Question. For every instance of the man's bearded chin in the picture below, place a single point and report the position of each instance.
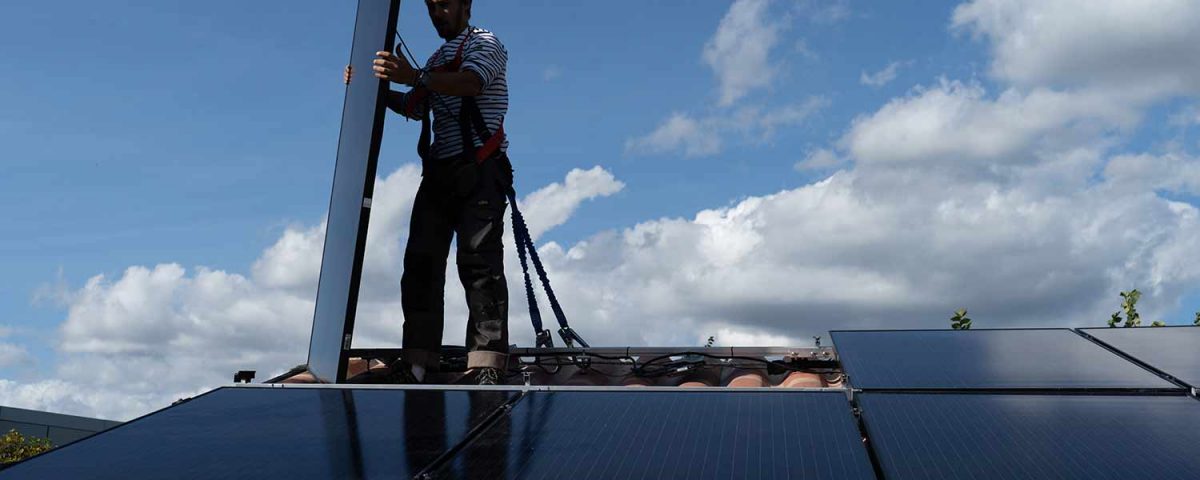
(445, 29)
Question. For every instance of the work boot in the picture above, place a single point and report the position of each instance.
(401, 373)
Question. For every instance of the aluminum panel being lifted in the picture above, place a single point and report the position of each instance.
(350, 202)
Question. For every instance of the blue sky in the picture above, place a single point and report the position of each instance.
(200, 134)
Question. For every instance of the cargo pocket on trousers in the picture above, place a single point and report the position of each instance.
(488, 224)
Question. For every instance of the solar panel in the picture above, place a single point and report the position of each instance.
(1172, 350)
(349, 203)
(294, 433)
(954, 359)
(660, 435)
(978, 436)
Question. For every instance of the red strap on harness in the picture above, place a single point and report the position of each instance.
(490, 147)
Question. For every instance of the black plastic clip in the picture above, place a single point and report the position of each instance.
(544, 339)
(570, 338)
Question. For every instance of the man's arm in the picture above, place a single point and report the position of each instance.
(397, 69)
(399, 102)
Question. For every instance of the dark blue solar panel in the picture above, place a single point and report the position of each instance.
(949, 359)
(983, 436)
(1172, 350)
(293, 433)
(353, 183)
(661, 435)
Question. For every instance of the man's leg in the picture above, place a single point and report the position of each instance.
(422, 286)
(481, 270)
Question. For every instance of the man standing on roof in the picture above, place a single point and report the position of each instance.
(466, 175)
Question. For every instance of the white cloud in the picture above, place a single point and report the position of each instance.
(13, 355)
(1145, 45)
(707, 135)
(855, 251)
(767, 121)
(680, 132)
(818, 159)
(739, 51)
(740, 55)
(1175, 172)
(553, 204)
(957, 125)
(882, 77)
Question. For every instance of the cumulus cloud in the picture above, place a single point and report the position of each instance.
(553, 204)
(818, 159)
(739, 51)
(1174, 172)
(1145, 45)
(954, 124)
(13, 355)
(707, 135)
(680, 132)
(845, 253)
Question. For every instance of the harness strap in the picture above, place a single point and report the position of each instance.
(491, 142)
(471, 126)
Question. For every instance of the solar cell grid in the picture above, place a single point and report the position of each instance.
(985, 359)
(692, 435)
(1172, 350)
(294, 433)
(985, 436)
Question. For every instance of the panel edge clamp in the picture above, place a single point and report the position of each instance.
(366, 202)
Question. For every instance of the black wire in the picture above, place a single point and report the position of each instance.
(666, 368)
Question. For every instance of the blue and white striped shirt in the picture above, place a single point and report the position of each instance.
(487, 57)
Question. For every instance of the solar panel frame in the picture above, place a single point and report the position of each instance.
(628, 433)
(984, 436)
(987, 359)
(1175, 357)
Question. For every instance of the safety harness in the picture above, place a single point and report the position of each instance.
(472, 125)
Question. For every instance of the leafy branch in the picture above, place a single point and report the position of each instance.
(960, 321)
(1132, 317)
(15, 447)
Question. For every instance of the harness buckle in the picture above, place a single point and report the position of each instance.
(569, 337)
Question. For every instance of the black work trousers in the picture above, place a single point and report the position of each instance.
(458, 198)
